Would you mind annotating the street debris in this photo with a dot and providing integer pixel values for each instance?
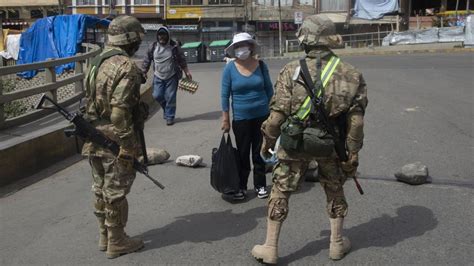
(413, 174)
(189, 160)
(156, 156)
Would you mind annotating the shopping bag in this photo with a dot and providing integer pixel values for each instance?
(225, 167)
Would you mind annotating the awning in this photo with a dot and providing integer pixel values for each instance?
(220, 43)
(191, 45)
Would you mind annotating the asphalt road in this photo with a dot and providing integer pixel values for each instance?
(420, 109)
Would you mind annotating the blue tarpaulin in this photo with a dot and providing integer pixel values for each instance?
(374, 9)
(54, 37)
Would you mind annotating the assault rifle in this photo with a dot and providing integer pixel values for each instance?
(316, 102)
(86, 131)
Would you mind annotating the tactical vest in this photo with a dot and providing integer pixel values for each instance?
(91, 112)
(296, 136)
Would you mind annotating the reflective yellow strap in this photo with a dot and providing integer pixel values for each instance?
(332, 67)
(327, 72)
(326, 75)
(305, 108)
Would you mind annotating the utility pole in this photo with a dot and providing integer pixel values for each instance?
(246, 18)
(457, 7)
(61, 7)
(112, 12)
(280, 28)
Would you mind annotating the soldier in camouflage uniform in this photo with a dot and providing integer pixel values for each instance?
(113, 94)
(344, 94)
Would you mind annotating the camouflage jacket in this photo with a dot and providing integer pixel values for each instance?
(117, 90)
(345, 92)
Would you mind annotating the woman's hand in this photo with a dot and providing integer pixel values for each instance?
(225, 122)
(225, 125)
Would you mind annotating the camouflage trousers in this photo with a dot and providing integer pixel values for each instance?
(112, 181)
(287, 176)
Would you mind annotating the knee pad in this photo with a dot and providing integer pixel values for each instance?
(278, 209)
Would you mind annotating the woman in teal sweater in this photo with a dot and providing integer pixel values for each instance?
(247, 83)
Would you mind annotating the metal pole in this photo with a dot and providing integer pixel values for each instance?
(61, 7)
(457, 6)
(165, 12)
(280, 28)
(246, 14)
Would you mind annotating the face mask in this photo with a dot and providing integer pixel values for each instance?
(242, 53)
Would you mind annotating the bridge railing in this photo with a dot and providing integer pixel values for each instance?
(355, 40)
(50, 85)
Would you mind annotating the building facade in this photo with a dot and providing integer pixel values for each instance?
(209, 20)
(18, 16)
(145, 10)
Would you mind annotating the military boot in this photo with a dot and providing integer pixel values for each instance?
(268, 252)
(102, 235)
(120, 244)
(339, 245)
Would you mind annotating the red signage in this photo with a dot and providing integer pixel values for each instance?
(273, 26)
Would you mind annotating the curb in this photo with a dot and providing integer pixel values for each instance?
(38, 153)
(376, 52)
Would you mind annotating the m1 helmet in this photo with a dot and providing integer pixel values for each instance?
(125, 30)
(316, 30)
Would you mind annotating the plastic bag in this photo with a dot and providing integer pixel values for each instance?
(225, 167)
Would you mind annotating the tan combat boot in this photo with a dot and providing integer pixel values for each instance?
(268, 252)
(339, 245)
(102, 235)
(120, 244)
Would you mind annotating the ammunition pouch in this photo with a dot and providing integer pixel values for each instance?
(314, 141)
(291, 138)
(317, 142)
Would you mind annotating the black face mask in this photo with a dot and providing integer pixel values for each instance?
(132, 48)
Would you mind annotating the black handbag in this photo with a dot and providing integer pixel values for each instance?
(225, 167)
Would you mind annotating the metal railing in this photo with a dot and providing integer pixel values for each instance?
(50, 86)
(356, 40)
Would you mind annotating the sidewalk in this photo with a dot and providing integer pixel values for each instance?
(30, 148)
(392, 50)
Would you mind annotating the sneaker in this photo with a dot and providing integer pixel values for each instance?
(240, 195)
(170, 122)
(262, 192)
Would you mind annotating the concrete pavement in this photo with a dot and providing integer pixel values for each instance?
(420, 108)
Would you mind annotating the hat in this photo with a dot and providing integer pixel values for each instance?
(239, 37)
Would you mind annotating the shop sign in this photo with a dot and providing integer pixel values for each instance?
(273, 26)
(183, 27)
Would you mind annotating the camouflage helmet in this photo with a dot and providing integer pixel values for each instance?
(125, 30)
(316, 30)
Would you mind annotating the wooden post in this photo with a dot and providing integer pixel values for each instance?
(50, 77)
(79, 85)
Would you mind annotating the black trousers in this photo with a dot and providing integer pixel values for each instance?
(248, 138)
